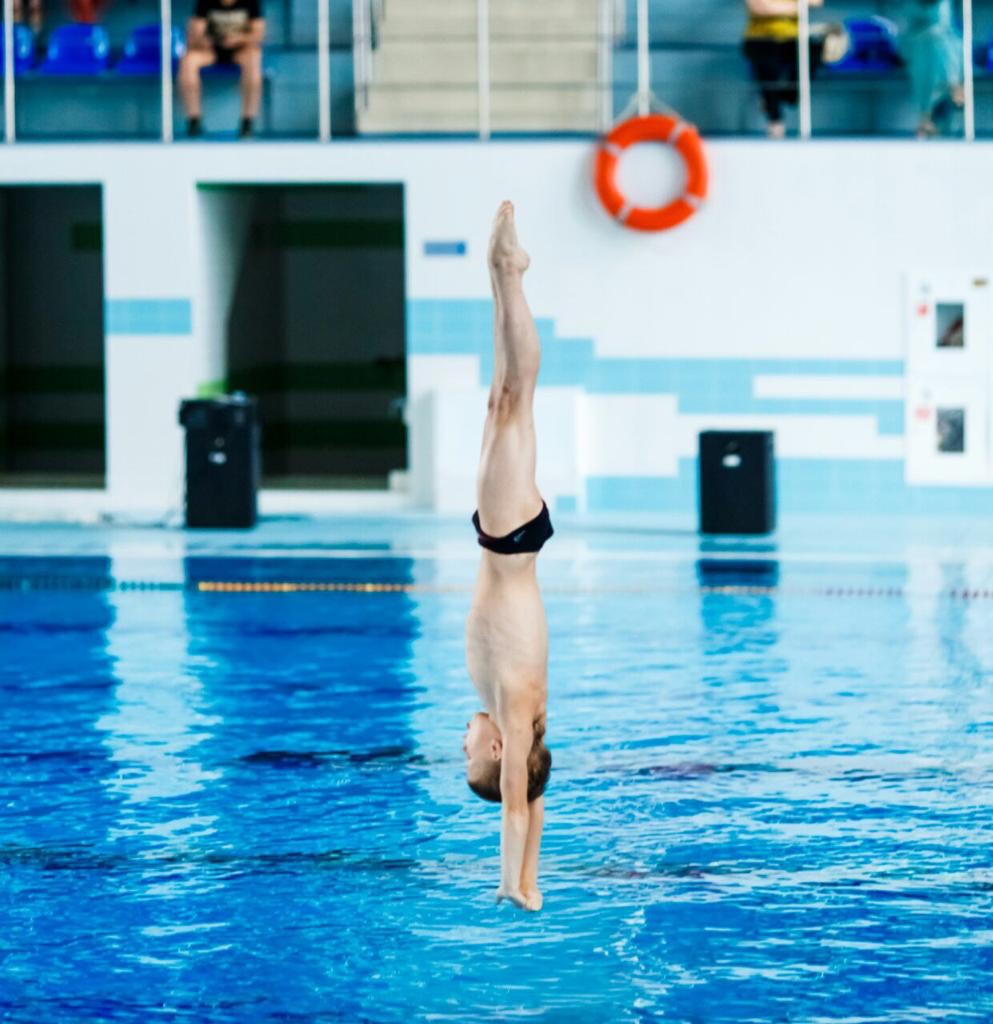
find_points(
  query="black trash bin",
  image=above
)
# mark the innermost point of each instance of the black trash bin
(222, 461)
(737, 481)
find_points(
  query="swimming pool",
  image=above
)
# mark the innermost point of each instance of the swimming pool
(227, 797)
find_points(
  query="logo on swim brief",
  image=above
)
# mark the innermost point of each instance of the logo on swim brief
(517, 536)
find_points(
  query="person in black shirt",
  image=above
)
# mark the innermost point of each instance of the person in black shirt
(223, 32)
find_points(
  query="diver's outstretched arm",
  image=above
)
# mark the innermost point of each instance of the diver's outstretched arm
(532, 850)
(516, 816)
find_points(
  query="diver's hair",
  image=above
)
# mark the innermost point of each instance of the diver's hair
(487, 785)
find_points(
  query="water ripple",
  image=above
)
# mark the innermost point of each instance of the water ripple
(250, 807)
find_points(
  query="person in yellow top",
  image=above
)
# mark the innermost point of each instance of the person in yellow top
(771, 48)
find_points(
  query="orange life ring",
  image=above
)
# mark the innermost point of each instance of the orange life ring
(653, 128)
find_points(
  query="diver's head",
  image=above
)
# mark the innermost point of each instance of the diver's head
(483, 747)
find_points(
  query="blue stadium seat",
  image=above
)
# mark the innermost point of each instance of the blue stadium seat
(23, 50)
(143, 49)
(77, 50)
(873, 45)
(986, 62)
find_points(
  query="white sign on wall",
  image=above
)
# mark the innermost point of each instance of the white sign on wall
(949, 366)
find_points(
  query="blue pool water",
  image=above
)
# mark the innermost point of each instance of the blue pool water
(770, 798)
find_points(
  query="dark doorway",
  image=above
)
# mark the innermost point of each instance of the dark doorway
(52, 420)
(306, 301)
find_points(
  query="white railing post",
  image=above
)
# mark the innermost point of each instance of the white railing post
(324, 70)
(803, 64)
(10, 131)
(165, 46)
(968, 79)
(358, 53)
(605, 63)
(483, 65)
(644, 61)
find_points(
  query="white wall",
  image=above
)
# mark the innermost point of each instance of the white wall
(801, 252)
(224, 219)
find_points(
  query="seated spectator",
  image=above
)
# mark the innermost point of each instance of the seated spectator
(223, 32)
(932, 49)
(771, 48)
(35, 14)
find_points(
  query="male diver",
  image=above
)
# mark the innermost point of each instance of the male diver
(506, 633)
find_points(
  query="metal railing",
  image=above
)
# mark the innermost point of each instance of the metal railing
(367, 16)
(165, 67)
(324, 70)
(481, 38)
(10, 131)
(361, 52)
(969, 98)
(803, 63)
(483, 65)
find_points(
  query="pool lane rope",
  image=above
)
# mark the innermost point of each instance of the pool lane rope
(106, 583)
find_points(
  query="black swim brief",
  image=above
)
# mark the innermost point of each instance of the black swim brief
(529, 537)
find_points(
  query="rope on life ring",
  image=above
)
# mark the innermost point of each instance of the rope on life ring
(683, 137)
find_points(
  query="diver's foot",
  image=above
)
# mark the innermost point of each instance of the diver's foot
(775, 130)
(506, 255)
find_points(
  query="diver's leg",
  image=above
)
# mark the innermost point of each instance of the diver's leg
(506, 491)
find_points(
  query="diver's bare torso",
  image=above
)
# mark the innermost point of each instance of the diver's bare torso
(507, 636)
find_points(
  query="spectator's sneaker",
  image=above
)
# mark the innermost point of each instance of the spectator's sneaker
(194, 127)
(245, 129)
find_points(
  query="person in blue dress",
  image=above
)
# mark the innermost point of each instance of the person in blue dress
(932, 48)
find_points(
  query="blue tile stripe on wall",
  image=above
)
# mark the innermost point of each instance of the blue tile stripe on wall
(816, 486)
(701, 386)
(148, 316)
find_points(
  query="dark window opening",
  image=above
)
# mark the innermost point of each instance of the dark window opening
(52, 420)
(305, 310)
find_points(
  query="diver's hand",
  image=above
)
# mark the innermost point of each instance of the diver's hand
(532, 899)
(515, 896)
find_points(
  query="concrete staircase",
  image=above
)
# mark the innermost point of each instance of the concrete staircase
(543, 67)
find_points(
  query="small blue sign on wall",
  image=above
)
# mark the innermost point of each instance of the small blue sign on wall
(442, 248)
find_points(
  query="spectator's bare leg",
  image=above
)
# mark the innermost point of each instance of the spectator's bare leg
(249, 59)
(189, 78)
(506, 489)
